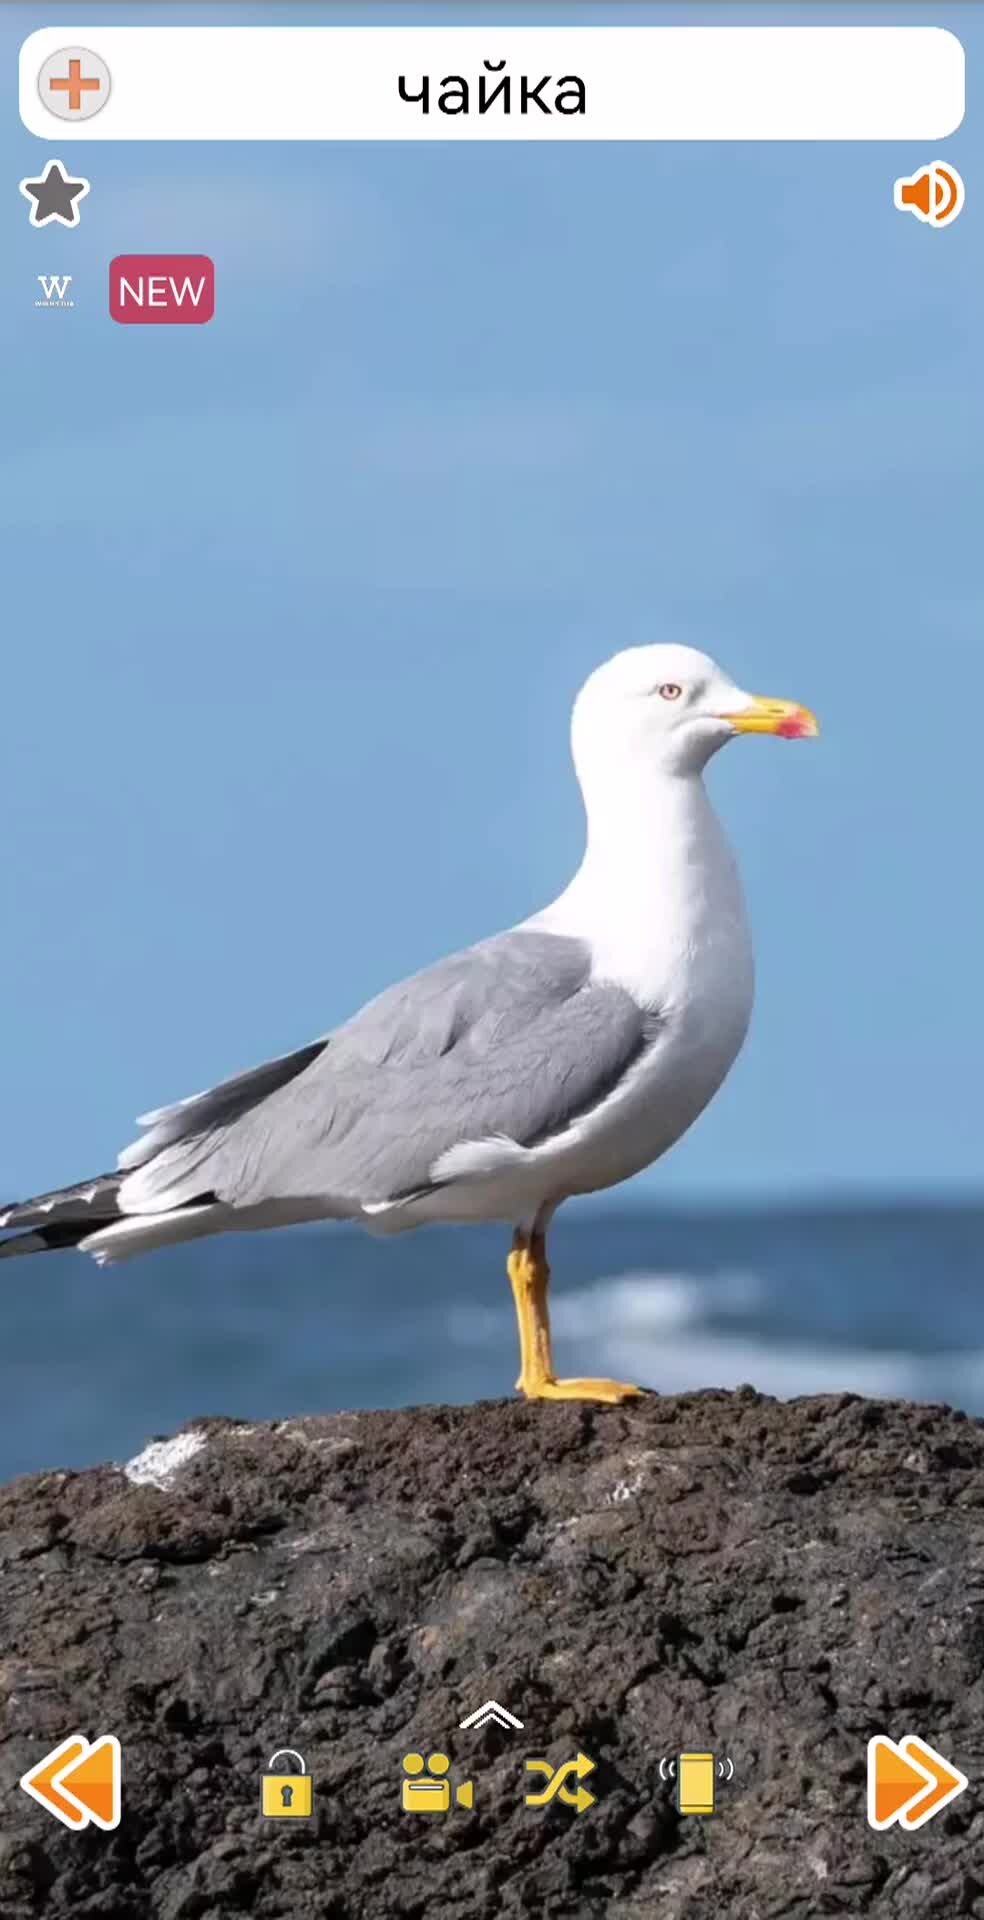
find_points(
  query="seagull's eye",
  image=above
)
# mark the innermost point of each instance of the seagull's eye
(670, 690)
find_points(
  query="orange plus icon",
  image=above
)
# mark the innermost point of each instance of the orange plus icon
(75, 86)
(74, 83)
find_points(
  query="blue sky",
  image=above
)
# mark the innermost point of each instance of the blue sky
(297, 602)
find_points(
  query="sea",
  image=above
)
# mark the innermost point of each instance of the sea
(884, 1298)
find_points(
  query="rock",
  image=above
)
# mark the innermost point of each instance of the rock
(771, 1582)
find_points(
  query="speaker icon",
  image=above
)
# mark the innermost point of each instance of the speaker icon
(935, 194)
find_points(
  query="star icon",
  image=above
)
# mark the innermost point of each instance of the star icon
(55, 196)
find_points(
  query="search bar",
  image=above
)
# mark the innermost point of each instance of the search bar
(487, 83)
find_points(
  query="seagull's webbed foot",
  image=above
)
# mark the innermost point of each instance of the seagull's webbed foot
(609, 1392)
(529, 1277)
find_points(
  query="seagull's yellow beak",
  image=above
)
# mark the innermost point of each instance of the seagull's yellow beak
(784, 717)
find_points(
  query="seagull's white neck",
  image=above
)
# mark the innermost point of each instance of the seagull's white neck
(653, 839)
(657, 882)
(645, 815)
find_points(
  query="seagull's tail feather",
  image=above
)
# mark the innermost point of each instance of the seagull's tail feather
(61, 1218)
(44, 1240)
(88, 1215)
(141, 1233)
(156, 1197)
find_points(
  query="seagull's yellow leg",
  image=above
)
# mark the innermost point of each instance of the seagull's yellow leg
(529, 1277)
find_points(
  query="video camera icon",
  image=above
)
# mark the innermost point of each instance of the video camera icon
(426, 1787)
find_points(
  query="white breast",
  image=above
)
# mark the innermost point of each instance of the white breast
(667, 922)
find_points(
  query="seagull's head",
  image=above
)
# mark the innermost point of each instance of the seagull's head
(673, 707)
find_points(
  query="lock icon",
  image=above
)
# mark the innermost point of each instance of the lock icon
(287, 1796)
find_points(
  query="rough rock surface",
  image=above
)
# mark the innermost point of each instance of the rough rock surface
(775, 1582)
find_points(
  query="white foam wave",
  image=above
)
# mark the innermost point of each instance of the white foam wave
(659, 1302)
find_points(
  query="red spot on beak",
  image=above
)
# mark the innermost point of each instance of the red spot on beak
(796, 727)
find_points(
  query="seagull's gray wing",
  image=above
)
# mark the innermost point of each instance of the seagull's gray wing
(511, 1039)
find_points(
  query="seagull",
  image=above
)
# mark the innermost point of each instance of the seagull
(557, 1058)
